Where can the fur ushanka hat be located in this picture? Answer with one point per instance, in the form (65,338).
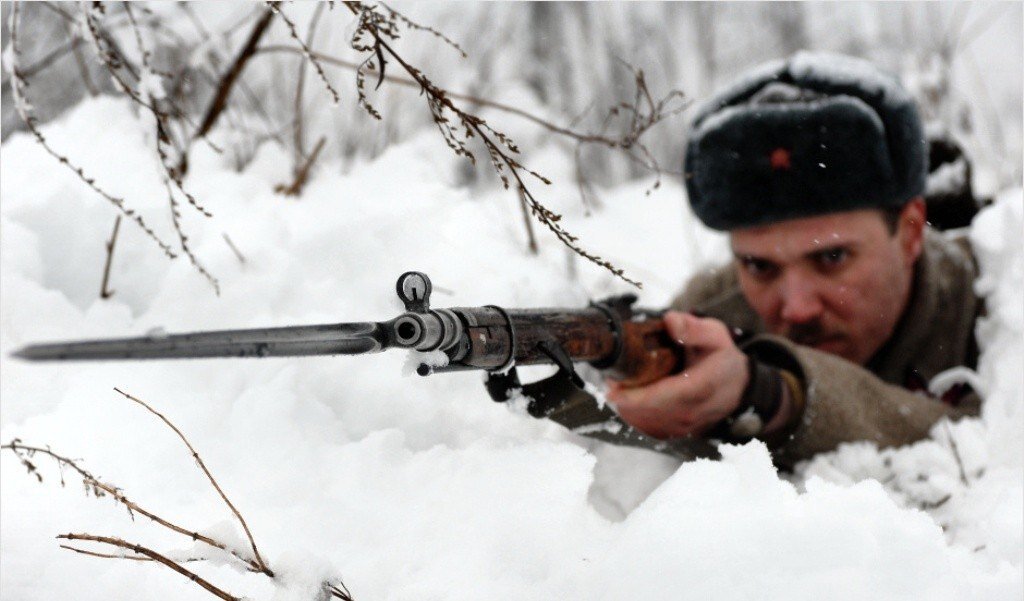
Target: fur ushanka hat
(813,134)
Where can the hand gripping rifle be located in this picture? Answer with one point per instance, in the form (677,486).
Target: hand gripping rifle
(631,346)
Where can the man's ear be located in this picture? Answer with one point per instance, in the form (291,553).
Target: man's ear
(911,225)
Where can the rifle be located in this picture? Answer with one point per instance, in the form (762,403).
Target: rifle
(629,345)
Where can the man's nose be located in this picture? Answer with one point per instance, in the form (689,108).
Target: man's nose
(800,300)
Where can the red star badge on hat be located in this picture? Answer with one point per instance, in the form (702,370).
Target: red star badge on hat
(780,159)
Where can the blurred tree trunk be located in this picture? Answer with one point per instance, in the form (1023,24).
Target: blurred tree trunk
(705,15)
(788,21)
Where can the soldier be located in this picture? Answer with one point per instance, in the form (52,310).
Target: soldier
(816,167)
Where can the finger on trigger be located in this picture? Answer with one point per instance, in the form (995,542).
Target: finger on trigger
(706,332)
(675,323)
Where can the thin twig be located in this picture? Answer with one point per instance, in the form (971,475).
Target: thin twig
(183,239)
(532,240)
(302,174)
(338,590)
(128,557)
(582,137)
(586,190)
(956,455)
(274,6)
(139,549)
(299,133)
(234,249)
(413,25)
(47,60)
(227,80)
(83,67)
(99,488)
(104,291)
(195,455)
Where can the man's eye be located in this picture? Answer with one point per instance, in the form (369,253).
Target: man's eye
(833,257)
(758,268)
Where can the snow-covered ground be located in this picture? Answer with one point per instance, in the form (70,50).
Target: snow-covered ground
(422,488)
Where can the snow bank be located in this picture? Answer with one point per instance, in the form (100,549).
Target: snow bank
(421,488)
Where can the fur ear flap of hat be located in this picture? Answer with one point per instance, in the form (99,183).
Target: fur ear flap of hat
(817,133)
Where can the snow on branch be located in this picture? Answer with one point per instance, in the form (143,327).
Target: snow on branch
(257,561)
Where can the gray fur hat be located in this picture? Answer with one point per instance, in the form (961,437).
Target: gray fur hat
(813,134)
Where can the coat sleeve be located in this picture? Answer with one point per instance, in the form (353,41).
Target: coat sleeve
(845,402)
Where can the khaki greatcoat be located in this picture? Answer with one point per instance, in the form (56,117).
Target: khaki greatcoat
(845,402)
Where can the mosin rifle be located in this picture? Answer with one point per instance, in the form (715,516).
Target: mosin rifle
(630,345)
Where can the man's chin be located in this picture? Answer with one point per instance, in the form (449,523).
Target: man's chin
(835,345)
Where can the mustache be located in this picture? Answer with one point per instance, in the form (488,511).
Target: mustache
(809,333)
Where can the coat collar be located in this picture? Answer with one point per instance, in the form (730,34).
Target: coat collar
(936,331)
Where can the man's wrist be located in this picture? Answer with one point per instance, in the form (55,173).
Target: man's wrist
(791,408)
(766,405)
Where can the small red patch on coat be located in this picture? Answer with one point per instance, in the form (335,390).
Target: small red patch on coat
(780,159)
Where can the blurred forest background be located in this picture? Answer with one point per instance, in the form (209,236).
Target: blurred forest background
(561,62)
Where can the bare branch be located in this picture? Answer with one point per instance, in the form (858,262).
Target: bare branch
(299,133)
(642,114)
(956,455)
(105,293)
(183,239)
(412,25)
(98,489)
(332,587)
(227,81)
(302,173)
(338,590)
(83,68)
(49,59)
(199,461)
(234,249)
(128,557)
(371,35)
(19,85)
(140,550)
(531,239)
(114,61)
(664,108)
(274,6)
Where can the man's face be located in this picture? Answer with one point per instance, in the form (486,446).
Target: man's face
(838,282)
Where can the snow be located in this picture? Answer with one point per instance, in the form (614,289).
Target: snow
(842,69)
(151,85)
(949,178)
(943,381)
(414,359)
(422,488)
